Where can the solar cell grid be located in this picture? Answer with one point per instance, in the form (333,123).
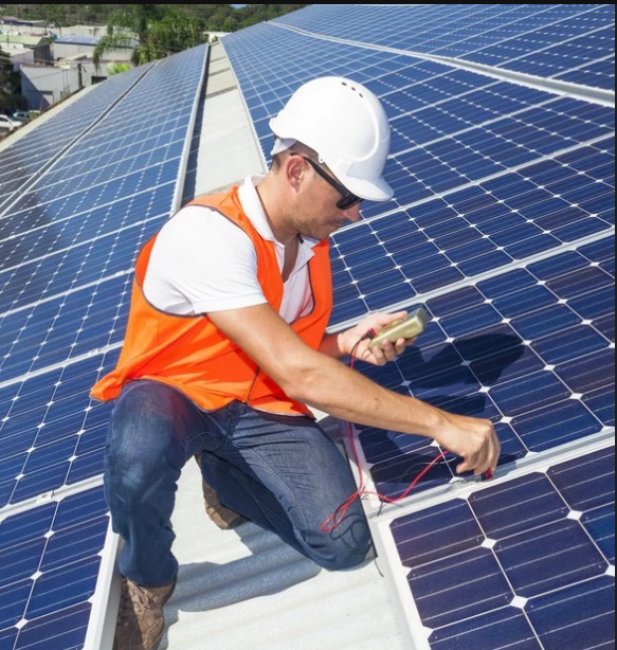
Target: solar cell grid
(529,349)
(52,434)
(518,562)
(593,74)
(67,245)
(124,127)
(29,155)
(96,221)
(471,231)
(544,40)
(50,560)
(64,328)
(441,151)
(92,259)
(419,127)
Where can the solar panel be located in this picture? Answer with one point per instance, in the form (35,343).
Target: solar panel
(530,349)
(464,233)
(565,42)
(528,561)
(26,158)
(69,236)
(50,558)
(52,433)
(502,228)
(450,127)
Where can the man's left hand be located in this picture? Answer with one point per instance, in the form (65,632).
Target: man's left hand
(378,355)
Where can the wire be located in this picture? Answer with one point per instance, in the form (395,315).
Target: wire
(333,520)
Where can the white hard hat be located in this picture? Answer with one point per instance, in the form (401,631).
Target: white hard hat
(346,125)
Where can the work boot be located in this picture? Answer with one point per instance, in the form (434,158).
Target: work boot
(223,517)
(140,616)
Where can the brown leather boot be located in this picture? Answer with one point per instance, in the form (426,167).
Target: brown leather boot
(223,517)
(140,622)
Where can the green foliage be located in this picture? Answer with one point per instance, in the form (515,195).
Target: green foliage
(213,17)
(158,30)
(117,68)
(152,31)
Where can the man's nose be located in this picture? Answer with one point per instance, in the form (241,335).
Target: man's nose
(353,212)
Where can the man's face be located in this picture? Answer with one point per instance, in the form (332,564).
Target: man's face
(321,212)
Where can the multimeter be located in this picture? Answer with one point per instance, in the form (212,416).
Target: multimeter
(405,328)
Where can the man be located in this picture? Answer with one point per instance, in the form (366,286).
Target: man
(225,348)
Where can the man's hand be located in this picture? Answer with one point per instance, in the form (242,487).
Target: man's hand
(377,356)
(474,439)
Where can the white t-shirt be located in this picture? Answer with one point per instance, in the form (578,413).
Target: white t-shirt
(202,262)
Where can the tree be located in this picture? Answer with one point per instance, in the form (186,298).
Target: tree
(117,68)
(10,99)
(151,31)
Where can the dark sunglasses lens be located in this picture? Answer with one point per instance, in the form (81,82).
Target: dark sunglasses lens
(347,201)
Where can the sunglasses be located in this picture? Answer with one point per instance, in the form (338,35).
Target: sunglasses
(347,198)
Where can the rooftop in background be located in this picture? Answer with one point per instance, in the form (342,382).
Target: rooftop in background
(12,20)
(77,39)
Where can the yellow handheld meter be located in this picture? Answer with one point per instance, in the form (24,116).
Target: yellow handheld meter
(406,328)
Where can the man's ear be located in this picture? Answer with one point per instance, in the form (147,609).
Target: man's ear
(295,169)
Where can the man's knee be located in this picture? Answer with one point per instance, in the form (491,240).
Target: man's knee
(342,548)
(141,450)
(142,426)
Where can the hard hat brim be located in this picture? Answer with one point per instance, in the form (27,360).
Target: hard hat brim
(370,190)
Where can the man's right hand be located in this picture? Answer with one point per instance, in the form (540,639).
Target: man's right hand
(474,439)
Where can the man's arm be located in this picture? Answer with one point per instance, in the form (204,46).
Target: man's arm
(322,382)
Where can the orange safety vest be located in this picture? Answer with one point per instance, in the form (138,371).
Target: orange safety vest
(191,354)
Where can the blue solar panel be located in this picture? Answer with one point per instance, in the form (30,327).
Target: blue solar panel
(64,327)
(526,563)
(49,562)
(530,349)
(543,40)
(501,226)
(487,226)
(52,434)
(433,102)
(68,240)
(31,154)
(86,226)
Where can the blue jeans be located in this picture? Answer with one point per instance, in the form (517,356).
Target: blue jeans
(281,472)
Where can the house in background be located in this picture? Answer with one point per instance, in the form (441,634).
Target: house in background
(25,48)
(55,63)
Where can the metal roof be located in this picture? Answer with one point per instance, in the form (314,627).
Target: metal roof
(77,39)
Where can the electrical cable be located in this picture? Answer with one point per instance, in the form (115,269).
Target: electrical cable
(333,520)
